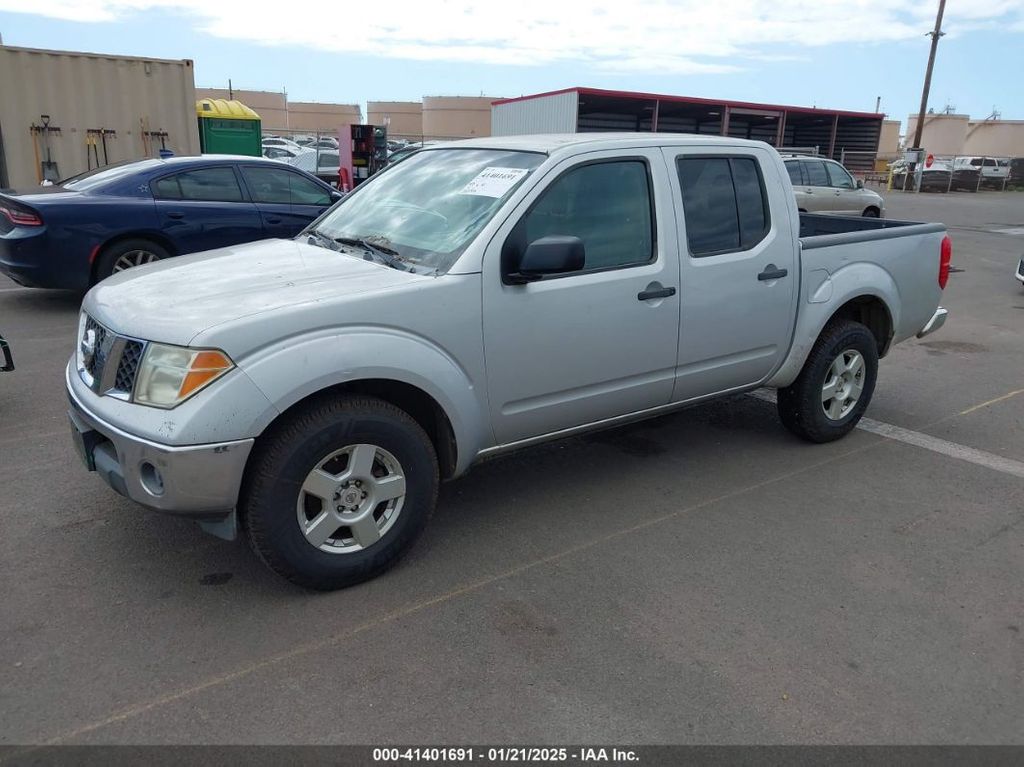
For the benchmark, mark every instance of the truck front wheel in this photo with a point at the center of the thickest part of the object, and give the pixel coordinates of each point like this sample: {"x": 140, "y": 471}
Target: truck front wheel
{"x": 339, "y": 491}
{"x": 834, "y": 388}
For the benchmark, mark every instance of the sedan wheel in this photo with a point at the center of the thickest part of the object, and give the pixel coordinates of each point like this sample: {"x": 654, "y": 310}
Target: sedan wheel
{"x": 134, "y": 258}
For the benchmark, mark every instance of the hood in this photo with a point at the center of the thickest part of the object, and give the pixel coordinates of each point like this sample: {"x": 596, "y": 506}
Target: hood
{"x": 174, "y": 300}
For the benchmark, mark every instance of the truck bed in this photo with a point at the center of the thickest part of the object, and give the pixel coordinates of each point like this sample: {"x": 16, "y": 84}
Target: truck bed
{"x": 818, "y": 230}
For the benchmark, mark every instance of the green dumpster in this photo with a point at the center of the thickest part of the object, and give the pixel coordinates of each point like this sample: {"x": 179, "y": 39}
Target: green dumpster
{"x": 228, "y": 127}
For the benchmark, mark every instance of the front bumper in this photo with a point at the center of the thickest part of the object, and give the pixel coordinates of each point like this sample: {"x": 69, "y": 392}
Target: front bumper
{"x": 937, "y": 321}
{"x": 197, "y": 481}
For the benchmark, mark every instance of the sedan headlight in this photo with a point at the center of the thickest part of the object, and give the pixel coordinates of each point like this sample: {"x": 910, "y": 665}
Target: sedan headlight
{"x": 169, "y": 375}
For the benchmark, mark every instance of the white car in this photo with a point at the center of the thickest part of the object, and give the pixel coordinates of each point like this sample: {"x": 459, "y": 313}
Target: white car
{"x": 286, "y": 143}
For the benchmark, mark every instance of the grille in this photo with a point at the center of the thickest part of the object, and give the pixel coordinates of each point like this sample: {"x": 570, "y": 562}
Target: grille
{"x": 109, "y": 362}
{"x": 128, "y": 366}
{"x": 94, "y": 364}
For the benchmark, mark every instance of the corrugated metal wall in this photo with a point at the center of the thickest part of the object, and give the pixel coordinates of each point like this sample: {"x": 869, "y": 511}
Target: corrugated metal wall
{"x": 82, "y": 92}
{"x": 546, "y": 114}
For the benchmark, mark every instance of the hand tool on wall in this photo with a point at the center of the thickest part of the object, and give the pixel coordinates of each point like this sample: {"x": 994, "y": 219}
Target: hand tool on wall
{"x": 47, "y": 168}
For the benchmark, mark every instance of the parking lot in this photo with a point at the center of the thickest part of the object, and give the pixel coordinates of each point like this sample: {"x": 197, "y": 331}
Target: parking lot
{"x": 701, "y": 578}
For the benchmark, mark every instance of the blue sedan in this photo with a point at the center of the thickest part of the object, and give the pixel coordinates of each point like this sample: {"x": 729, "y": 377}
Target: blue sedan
{"x": 74, "y": 234}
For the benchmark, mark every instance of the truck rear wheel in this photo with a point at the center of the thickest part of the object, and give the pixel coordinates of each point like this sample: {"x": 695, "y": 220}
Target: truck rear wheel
{"x": 339, "y": 491}
{"x": 834, "y": 388}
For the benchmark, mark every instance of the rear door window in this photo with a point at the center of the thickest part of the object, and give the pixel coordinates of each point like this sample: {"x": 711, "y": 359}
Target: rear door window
{"x": 724, "y": 204}
{"x": 815, "y": 172}
{"x": 207, "y": 184}
{"x": 795, "y": 174}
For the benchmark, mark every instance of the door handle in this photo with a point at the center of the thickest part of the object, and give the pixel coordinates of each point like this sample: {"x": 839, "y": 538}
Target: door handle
{"x": 274, "y": 220}
{"x": 772, "y": 272}
{"x": 652, "y": 292}
{"x": 176, "y": 215}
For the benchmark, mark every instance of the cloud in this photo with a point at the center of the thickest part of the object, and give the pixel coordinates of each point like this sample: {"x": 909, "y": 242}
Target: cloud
{"x": 650, "y": 36}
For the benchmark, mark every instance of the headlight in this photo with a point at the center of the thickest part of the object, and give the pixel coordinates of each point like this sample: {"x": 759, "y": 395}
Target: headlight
{"x": 169, "y": 375}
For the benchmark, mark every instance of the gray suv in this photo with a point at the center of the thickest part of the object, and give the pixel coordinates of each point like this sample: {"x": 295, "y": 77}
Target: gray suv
{"x": 825, "y": 186}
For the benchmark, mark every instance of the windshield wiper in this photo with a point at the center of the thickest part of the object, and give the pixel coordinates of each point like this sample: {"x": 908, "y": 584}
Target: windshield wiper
{"x": 385, "y": 255}
{"x": 321, "y": 239}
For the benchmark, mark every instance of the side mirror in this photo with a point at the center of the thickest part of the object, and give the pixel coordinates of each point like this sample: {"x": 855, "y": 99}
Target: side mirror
{"x": 337, "y": 195}
{"x": 860, "y": 183}
{"x": 554, "y": 254}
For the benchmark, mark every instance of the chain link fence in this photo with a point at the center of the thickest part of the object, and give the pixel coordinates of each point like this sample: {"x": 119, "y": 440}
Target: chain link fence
{"x": 958, "y": 173}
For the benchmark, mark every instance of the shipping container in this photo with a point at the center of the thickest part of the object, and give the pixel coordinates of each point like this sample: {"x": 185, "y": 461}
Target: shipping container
{"x": 64, "y": 112}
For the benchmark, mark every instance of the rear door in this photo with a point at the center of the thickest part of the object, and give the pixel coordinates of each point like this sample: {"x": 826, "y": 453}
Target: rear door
{"x": 205, "y": 208}
{"x": 819, "y": 195}
{"x": 287, "y": 200}
{"x": 739, "y": 268}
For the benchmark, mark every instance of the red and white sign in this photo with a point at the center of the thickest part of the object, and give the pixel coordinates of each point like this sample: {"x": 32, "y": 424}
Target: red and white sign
{"x": 929, "y": 160}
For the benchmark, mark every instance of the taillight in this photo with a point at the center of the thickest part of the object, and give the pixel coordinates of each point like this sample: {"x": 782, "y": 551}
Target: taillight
{"x": 20, "y": 217}
{"x": 945, "y": 256}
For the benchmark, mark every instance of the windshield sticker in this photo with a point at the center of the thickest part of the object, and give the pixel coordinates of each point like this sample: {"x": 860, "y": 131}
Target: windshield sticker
{"x": 494, "y": 182}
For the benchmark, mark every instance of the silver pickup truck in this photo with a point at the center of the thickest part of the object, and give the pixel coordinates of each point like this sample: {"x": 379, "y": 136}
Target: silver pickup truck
{"x": 480, "y": 297}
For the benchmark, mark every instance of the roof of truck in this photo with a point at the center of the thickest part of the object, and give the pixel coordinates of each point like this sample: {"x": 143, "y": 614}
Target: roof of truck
{"x": 549, "y": 143}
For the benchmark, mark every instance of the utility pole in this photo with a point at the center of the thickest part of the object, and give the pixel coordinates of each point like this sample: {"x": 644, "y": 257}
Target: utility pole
{"x": 935, "y": 34}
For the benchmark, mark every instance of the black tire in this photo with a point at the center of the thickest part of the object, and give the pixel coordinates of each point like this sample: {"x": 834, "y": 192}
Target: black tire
{"x": 110, "y": 255}
{"x": 800, "y": 404}
{"x": 871, "y": 212}
{"x": 290, "y": 450}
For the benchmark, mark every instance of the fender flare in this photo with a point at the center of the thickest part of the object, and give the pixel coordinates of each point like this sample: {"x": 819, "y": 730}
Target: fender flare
{"x": 293, "y": 369}
{"x": 848, "y": 283}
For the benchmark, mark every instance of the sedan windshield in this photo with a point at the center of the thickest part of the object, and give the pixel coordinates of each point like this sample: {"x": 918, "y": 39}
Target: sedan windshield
{"x": 425, "y": 211}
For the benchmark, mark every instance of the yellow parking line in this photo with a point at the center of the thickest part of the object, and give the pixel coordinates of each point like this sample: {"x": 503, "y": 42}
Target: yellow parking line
{"x": 992, "y": 402}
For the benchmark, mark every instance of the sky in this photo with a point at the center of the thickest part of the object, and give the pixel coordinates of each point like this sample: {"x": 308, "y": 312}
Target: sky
{"x": 821, "y": 53}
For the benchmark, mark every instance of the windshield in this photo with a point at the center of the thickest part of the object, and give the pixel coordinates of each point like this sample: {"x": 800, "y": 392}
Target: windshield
{"x": 92, "y": 179}
{"x": 425, "y": 211}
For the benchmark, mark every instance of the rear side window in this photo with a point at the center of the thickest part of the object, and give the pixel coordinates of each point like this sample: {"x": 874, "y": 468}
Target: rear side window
{"x": 724, "y": 204}
{"x": 208, "y": 184}
{"x": 277, "y": 185}
{"x": 815, "y": 171}
{"x": 795, "y": 176}
{"x": 607, "y": 205}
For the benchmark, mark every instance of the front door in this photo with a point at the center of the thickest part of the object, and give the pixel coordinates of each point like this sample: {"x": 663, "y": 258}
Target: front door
{"x": 739, "y": 268}
{"x": 286, "y": 199}
{"x": 597, "y": 343}
{"x": 848, "y": 198}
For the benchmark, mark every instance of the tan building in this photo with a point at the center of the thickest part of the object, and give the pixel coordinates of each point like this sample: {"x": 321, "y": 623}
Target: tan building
{"x": 456, "y": 116}
{"x": 949, "y": 134}
{"x": 313, "y": 116}
{"x": 404, "y": 119}
{"x": 271, "y": 106}
{"x": 139, "y": 104}
{"x": 277, "y": 113}
{"x": 889, "y": 140}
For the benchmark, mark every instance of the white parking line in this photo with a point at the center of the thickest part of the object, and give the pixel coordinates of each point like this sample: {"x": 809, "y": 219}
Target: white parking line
{"x": 928, "y": 442}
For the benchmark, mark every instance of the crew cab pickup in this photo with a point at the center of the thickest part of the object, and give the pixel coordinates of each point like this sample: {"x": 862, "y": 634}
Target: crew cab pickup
{"x": 480, "y": 297}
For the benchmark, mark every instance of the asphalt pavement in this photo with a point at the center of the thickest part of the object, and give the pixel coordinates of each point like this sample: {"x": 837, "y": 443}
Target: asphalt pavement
{"x": 700, "y": 578}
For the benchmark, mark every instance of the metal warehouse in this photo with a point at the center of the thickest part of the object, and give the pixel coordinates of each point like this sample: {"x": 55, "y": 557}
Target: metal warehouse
{"x": 852, "y": 136}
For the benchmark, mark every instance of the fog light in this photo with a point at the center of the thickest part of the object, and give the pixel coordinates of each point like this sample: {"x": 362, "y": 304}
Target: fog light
{"x": 152, "y": 479}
